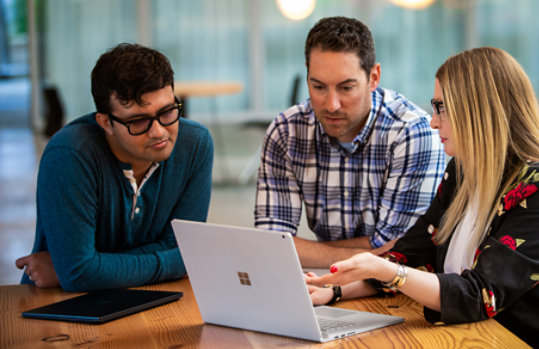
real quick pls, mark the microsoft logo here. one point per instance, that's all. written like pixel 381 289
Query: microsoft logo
pixel 244 278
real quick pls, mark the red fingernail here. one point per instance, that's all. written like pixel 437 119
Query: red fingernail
pixel 333 269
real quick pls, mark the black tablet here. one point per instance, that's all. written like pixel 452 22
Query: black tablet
pixel 102 306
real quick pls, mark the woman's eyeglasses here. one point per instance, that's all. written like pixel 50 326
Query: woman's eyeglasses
pixel 438 107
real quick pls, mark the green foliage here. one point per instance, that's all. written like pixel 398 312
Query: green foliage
pixel 21 18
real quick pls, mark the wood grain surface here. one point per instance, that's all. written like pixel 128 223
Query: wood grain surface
pixel 179 325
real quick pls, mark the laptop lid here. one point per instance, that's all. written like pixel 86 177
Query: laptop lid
pixel 252 279
pixel 102 306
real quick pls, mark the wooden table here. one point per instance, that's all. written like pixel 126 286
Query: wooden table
pixel 179 325
pixel 187 89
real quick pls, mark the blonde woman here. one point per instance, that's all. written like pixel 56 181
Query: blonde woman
pixel 475 253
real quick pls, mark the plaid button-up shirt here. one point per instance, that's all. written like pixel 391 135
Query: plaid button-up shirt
pixel 377 190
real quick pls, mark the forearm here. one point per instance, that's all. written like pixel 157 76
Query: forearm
pixel 80 267
pixel 149 248
pixel 421 286
pixel 106 270
pixel 315 254
pixel 360 242
pixel 357 289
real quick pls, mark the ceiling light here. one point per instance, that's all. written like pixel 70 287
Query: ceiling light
pixel 296 9
pixel 413 4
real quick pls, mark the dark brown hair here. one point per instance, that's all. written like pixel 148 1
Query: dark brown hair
pixel 342 34
pixel 129 71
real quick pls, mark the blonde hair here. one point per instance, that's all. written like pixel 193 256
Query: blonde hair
pixel 494 116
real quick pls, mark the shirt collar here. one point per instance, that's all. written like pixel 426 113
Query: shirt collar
pixel 377 99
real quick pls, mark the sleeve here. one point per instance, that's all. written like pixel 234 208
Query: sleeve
pixel 194 203
pixel 415 168
pixel 67 211
pixel 417 248
pixel 505 270
pixel 278 198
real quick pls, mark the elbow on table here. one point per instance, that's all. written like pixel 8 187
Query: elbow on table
pixel 77 281
pixel 77 285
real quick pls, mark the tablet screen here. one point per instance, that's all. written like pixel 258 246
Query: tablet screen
pixel 102 306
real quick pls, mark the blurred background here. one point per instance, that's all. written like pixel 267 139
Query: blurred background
pixel 239 62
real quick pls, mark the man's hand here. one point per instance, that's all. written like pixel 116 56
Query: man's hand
pixel 320 295
pixel 38 266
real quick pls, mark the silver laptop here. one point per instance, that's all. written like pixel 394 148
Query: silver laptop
pixel 252 279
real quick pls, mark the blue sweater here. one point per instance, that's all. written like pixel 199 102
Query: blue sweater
pixel 85 215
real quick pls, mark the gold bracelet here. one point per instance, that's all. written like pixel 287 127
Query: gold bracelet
pixel 398 280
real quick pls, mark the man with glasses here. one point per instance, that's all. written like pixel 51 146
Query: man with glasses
pixel 110 182
pixel 361 159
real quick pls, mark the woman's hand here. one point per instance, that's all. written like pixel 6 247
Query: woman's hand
pixel 349 274
pixel 358 267
pixel 422 286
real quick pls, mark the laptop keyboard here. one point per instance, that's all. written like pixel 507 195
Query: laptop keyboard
pixel 331 325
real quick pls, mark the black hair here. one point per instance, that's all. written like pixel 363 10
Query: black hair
pixel 128 71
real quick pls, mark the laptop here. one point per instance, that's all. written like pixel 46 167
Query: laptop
pixel 101 306
pixel 251 279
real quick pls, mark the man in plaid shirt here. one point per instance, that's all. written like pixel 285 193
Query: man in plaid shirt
pixel 363 160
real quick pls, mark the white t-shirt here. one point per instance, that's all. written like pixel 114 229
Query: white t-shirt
pixel 461 251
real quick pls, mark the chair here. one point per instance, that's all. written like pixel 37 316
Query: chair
pixel 54 117
pixel 252 165
pixel 295 90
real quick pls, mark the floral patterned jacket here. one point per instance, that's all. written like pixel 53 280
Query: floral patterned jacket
pixel 504 277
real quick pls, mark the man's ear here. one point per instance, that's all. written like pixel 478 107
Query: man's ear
pixel 104 121
pixel 374 77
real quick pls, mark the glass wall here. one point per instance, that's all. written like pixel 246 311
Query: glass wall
pixel 206 40
pixel 76 33
pixel 13 39
pixel 252 43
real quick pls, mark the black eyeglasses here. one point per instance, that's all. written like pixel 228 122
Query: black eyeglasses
pixel 438 107
pixel 139 126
